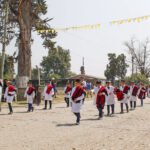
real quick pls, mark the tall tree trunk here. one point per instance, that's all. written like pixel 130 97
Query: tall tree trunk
pixel 24 57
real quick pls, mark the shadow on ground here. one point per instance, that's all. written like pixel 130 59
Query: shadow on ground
pixel 66 125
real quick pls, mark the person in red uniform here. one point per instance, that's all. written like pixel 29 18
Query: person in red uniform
pixel 133 95
pixel 9 95
pixel 142 93
pixel 125 89
pixel 30 95
pixel 67 92
pixel 77 95
pixel 100 99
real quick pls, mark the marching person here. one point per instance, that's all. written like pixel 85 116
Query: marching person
pixel 77 96
pixel 100 99
pixel 125 89
pixel 133 95
pixel 142 93
pixel 110 98
pixel 30 95
pixel 9 95
pixel 48 95
pixel 67 92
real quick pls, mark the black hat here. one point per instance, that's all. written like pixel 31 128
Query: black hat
pixel 98 82
pixel 108 81
pixel 29 82
pixel 78 80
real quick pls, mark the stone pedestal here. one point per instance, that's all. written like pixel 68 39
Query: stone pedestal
pixel 21 86
pixel 22 81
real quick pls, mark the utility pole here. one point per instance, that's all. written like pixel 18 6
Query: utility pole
pixel 132 65
pixel 4 36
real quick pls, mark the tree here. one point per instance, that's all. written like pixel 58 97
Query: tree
pixel 110 71
pixel 57 63
pixel 27 14
pixel 121 65
pixel 137 78
pixel 116 68
pixel 9 67
pixel 140 53
pixel 34 75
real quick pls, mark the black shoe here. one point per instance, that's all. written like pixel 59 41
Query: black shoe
pixel 121 112
pixel 100 118
pixel 10 113
pixel 77 123
pixel 32 109
pixel 44 108
pixel 111 115
pixel 108 114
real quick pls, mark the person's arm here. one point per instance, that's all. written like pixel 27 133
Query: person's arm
pixel 64 90
pixel 33 94
pixel 52 92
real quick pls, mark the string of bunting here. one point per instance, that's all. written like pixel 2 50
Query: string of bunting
pixel 97 26
pixel 130 20
pixel 88 27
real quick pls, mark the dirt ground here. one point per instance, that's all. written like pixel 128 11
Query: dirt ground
pixel 56 130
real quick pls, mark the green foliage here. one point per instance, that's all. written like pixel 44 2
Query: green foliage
pixel 25 17
pixel 54 76
pixel 57 63
pixel 110 71
pixel 36 22
pixel 137 78
pixel 8 67
pixel 34 74
pixel 116 68
pixel 70 74
pixel 122 66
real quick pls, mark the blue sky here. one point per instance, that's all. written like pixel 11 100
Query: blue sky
pixel 93 44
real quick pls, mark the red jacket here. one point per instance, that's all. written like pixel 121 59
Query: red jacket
pixel 49 88
pixel 119 94
pixel 126 89
pixel 78 92
pixel 30 90
pixel 100 99
pixel 135 90
pixel 68 89
pixel 142 93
